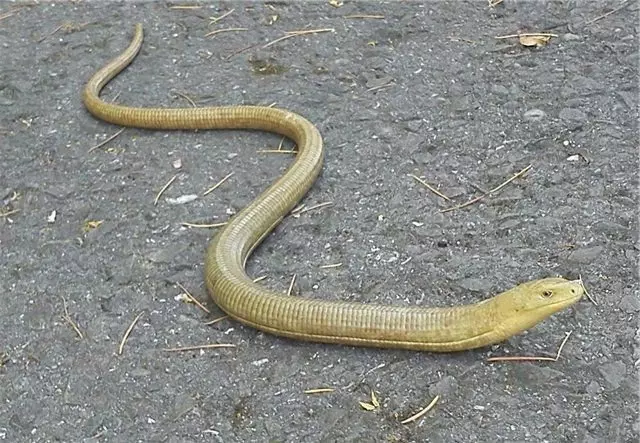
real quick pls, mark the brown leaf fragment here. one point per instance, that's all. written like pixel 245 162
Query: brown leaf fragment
pixel 534 40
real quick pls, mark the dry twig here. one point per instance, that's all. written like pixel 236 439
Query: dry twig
pixel 8 213
pixel 354 16
pixel 67 27
pixel 333 265
pixel 164 188
pixel 69 320
pixel 293 280
pixel 240 51
pixel 186 97
pixel 203 225
pixel 290 34
pixel 198 347
pixel 101 144
pixel 7 15
pixel 386 85
pixel 532 358
pixel 301 210
pixel 584 288
pixel 516 175
pixel 217 185
pixel 318 391
pixel 492 191
pixel 526 34
pixel 193 299
pixel 185 7
pixel 216 320
pixel 218 31
pixel 214 20
pixel 607 14
pixel 423 411
pixel 277 151
pixel 128 332
pixel 429 187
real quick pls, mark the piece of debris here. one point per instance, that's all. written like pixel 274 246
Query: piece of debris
pixel 532 358
pixel 290 34
pixel 218 31
pixel 429 187
pixel 203 225
pixel 67 317
pixel 319 391
pixel 297 212
pixel 217 185
pixel 102 143
pixel 372 405
pixel 530 38
pixel 214 20
pixel 534 40
pixel 258 363
pixel 164 188
pixel 200 347
pixel 90 225
pixel 333 265
pixel 216 320
pixel 421 412
pixel 187 297
pixel 492 191
pixel 128 332
pixel 182 199
pixel 367 406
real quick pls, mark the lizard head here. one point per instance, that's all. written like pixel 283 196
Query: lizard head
pixel 529 303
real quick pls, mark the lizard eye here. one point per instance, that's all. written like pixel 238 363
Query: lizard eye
pixel 547 293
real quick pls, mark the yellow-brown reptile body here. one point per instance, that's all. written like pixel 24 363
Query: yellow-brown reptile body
pixel 419 328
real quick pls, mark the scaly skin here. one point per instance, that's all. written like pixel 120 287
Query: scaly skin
pixel 419 328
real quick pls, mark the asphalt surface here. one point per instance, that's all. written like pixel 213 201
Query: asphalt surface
pixel 426 90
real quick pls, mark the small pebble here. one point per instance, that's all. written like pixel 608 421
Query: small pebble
pixel 571 37
pixel 585 255
pixel 593 388
pixel 475 284
pixel 630 303
pixel 446 385
pixel 535 115
pixel 613 373
pixel 575 118
pixel 379 82
pixel 260 362
pixel 414 125
pixel 499 90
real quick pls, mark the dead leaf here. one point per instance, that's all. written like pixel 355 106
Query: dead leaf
pixel 90 225
pixel 534 40
pixel 374 400
pixel 367 406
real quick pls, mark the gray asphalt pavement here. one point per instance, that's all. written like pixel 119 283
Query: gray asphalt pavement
pixel 396 88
